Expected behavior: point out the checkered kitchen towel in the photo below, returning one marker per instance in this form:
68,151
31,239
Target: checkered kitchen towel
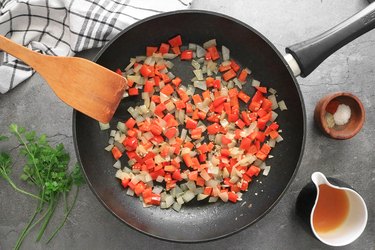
65,27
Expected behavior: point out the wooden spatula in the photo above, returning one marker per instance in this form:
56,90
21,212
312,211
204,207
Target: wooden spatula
80,83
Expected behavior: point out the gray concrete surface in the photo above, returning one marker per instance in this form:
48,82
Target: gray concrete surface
283,22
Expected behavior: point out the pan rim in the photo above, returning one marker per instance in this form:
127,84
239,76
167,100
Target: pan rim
293,78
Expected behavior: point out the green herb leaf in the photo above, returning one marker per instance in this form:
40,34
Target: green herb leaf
77,175
13,128
46,168
30,136
3,138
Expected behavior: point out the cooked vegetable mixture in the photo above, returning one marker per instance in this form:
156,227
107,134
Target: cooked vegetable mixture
195,141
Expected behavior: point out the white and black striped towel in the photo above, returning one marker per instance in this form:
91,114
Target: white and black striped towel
65,27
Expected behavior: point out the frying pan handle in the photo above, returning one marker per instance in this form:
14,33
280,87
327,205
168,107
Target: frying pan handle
311,53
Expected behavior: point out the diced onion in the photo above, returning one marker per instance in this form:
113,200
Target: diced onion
201,52
169,200
188,196
282,105
195,64
210,43
226,53
130,192
104,126
108,148
223,196
212,199
202,197
176,206
117,164
255,83
266,170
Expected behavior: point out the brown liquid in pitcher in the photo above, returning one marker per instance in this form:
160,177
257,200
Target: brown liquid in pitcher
331,210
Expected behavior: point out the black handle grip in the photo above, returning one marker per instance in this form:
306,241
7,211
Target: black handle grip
310,53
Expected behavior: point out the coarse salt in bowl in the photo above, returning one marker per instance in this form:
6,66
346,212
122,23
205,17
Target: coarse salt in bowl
340,115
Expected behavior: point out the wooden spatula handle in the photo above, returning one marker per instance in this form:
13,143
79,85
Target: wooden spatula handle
28,56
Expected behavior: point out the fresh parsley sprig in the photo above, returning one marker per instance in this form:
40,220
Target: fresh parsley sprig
46,168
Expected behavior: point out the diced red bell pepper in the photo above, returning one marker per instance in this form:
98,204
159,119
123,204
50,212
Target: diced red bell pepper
176,50
190,123
169,168
188,160
193,175
196,133
125,182
217,84
244,185
149,87
165,78
232,197
219,101
245,143
253,171
151,50
164,48
258,97
242,76
223,68
175,41
267,105
116,153
139,188
229,75
167,90
274,134
265,149
208,57
213,129
233,117
197,99
156,129
200,181
179,104
130,123
261,156
187,55
245,98
146,70
202,158
262,89
183,96
214,53
177,81
240,123
234,65
225,140
177,175
207,190
171,132
133,91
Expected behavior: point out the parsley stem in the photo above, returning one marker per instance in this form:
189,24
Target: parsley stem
31,155
51,209
32,226
66,216
19,189
25,231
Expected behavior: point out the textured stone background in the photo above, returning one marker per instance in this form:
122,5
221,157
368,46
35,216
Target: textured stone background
284,23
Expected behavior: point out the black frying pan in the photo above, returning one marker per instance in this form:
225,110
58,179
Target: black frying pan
202,221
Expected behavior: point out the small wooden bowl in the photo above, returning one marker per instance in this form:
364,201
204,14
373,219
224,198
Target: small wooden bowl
341,132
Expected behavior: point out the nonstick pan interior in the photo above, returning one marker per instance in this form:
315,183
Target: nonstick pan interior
198,221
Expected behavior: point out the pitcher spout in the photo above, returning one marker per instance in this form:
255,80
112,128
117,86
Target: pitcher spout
318,179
